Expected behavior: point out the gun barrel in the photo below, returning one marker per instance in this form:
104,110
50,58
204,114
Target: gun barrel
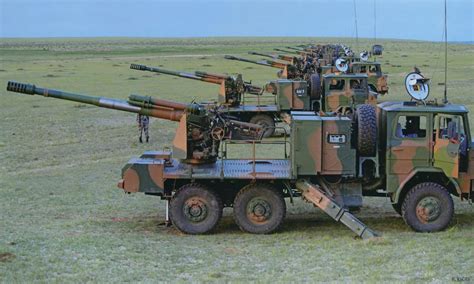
263,54
197,75
147,100
29,89
263,62
294,48
286,51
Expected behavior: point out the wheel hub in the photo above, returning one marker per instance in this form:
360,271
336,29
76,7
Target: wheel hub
428,209
195,209
259,210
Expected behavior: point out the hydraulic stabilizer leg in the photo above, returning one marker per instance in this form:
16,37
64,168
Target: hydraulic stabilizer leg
313,193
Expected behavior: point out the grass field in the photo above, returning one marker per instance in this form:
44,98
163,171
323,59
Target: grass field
64,220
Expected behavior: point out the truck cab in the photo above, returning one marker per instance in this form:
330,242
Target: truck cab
377,80
342,92
425,145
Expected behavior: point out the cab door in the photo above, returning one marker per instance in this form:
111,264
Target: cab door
410,143
336,95
447,144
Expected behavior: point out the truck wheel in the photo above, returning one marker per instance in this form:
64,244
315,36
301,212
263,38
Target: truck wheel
265,121
194,209
365,127
315,84
259,209
428,207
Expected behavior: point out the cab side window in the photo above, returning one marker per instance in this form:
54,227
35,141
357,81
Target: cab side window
337,84
355,84
411,127
363,69
451,127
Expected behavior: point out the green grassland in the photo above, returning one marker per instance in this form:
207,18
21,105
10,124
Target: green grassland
62,218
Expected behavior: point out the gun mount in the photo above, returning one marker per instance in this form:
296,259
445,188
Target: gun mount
232,88
201,127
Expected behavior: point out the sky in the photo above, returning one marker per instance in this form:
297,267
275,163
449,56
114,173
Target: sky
398,19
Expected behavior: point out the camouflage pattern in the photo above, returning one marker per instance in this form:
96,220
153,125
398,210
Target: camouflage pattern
431,150
344,90
322,146
290,95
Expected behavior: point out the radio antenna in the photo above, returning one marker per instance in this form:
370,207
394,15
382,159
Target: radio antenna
375,21
356,30
445,100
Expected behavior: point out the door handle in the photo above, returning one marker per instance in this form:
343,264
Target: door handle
397,150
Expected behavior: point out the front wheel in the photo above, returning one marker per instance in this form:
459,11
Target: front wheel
259,209
194,209
428,207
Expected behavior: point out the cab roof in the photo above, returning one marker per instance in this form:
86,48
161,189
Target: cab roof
419,107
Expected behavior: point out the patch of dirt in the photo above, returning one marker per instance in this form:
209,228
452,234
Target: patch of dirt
6,257
118,219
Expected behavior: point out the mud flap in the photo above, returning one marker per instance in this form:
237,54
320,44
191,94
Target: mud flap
314,194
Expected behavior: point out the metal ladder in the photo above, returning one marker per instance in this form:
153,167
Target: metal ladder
314,194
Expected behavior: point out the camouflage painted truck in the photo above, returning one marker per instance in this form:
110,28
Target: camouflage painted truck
334,92
197,179
417,153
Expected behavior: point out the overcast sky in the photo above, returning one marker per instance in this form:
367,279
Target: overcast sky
402,19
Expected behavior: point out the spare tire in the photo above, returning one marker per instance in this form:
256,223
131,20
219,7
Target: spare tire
365,130
315,85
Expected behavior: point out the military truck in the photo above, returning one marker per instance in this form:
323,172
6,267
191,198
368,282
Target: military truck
418,153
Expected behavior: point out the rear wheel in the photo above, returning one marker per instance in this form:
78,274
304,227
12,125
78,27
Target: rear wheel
266,121
194,209
428,207
259,209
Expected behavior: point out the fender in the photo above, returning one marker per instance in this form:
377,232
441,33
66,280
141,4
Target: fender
423,170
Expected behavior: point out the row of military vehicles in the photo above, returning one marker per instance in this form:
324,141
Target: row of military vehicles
343,144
